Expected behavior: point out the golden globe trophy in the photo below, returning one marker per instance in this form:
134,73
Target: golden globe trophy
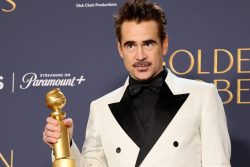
55,100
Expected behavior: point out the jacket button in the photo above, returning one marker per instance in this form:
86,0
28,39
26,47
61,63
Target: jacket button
118,149
175,143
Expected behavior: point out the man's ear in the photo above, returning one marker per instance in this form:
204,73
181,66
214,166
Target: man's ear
165,46
119,47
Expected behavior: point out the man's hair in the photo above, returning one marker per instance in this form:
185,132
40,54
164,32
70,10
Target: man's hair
140,10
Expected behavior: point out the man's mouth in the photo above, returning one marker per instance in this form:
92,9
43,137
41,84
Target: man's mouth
142,66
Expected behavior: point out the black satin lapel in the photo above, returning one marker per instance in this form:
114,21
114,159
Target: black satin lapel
125,114
166,108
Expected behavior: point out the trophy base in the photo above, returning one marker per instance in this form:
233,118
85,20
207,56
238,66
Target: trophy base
64,162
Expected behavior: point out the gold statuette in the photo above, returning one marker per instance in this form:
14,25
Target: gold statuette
55,100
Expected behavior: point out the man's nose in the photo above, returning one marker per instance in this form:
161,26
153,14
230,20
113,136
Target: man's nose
140,55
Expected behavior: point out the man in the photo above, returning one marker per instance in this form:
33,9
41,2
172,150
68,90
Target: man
155,119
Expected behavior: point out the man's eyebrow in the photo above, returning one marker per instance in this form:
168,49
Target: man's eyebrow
149,41
129,43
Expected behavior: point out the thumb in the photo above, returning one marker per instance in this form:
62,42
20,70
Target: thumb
68,122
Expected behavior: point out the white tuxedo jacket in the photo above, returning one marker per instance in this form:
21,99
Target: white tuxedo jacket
196,136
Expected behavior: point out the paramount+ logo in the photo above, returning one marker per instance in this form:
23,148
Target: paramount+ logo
38,80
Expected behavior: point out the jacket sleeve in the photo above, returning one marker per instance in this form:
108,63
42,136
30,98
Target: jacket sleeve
92,153
216,146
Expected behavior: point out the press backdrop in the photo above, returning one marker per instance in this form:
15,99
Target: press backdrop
71,44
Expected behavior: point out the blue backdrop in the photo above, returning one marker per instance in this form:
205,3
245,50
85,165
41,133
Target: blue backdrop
72,45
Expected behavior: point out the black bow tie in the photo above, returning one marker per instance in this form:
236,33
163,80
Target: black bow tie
154,85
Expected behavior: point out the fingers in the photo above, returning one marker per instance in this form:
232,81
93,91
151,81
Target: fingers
50,141
50,138
51,132
52,121
52,128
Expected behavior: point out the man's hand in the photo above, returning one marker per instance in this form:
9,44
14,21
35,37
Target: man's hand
52,131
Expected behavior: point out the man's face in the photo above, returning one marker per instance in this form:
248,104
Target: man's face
141,49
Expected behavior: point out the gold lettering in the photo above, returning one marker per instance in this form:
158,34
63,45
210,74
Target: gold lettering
239,60
199,64
171,64
226,89
230,65
12,3
239,90
11,159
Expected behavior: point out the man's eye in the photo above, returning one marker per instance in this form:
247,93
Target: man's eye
149,44
129,46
